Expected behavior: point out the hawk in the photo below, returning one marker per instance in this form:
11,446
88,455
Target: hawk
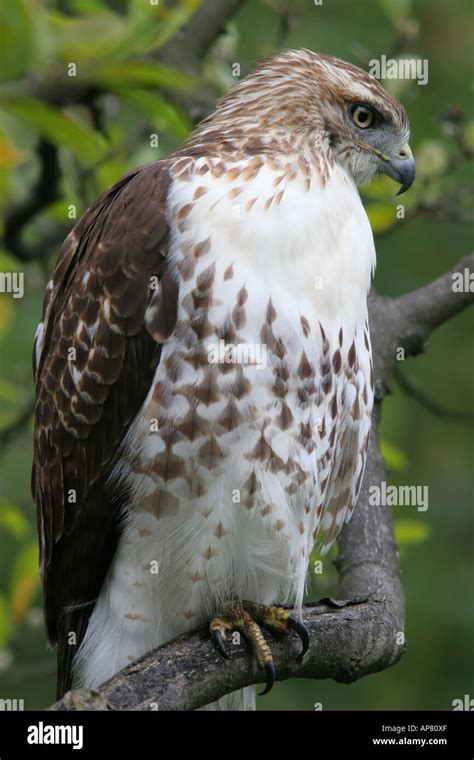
203,371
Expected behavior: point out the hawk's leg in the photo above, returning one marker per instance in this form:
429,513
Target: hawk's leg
246,618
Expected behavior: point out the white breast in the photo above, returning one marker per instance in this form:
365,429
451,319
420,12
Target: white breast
198,532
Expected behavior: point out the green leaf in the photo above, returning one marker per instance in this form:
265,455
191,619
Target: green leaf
7,262
395,458
9,392
381,216
165,116
396,10
175,18
6,313
119,74
469,135
58,128
432,157
82,39
411,532
25,580
5,619
17,39
109,172
58,211
12,520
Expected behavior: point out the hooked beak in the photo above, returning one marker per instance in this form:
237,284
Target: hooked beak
402,168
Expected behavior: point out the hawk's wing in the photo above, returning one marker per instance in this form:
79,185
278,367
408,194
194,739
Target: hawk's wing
95,356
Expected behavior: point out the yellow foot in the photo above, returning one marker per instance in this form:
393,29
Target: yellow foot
247,617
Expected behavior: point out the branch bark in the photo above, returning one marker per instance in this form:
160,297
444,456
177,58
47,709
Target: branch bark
195,38
408,321
186,50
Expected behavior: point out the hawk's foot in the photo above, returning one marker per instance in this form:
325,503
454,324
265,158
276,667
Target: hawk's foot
246,618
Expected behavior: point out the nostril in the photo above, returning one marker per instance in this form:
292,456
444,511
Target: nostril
403,154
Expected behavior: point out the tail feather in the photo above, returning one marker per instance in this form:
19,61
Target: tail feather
72,628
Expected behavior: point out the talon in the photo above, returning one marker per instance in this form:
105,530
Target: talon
270,671
219,642
246,617
302,632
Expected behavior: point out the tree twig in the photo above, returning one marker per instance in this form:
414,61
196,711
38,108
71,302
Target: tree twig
8,432
412,389
44,191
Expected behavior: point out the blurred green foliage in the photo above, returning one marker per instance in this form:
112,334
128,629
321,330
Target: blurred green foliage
129,97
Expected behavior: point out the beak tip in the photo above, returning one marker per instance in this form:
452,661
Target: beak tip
406,172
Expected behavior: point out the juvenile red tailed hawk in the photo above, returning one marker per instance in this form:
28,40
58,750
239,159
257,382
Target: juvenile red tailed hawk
203,370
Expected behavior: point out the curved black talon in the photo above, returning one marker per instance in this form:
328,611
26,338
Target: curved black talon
219,642
302,632
270,670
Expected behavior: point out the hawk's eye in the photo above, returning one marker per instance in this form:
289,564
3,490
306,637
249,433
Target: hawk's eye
362,116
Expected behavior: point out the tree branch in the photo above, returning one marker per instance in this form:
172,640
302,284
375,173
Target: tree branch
9,432
43,192
187,48
410,386
408,321
195,38
423,310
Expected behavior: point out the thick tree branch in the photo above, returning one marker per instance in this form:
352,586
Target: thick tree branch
195,38
407,322
186,50
423,310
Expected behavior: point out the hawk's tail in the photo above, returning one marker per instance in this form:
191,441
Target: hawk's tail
71,631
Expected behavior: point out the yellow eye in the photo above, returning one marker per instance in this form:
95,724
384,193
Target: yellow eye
363,116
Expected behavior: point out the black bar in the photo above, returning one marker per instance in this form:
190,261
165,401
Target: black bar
168,734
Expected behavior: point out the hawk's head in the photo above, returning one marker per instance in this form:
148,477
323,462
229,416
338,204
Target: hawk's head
305,98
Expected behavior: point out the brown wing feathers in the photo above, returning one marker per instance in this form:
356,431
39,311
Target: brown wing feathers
96,366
